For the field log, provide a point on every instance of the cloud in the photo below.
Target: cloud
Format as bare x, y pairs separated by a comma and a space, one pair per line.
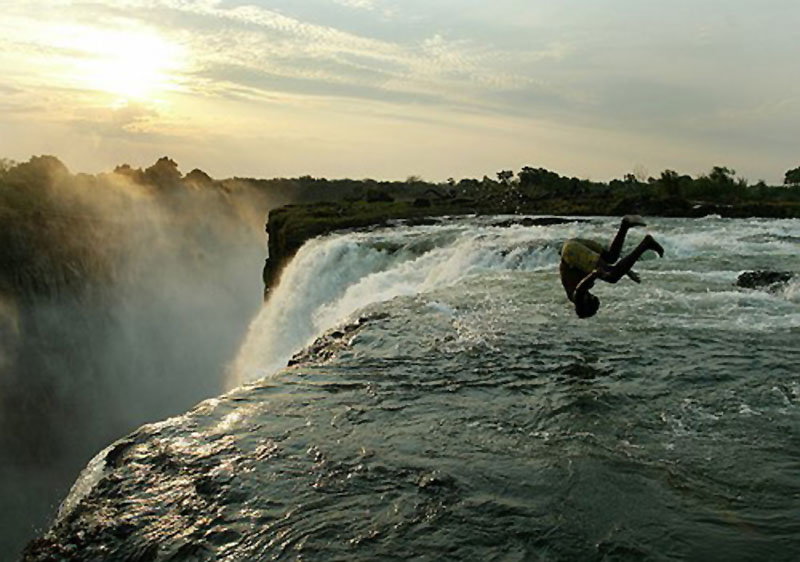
681, 72
360, 4
8, 90
15, 104
267, 42
249, 51
129, 121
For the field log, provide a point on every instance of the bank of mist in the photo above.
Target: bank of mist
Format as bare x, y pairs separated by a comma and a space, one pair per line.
122, 298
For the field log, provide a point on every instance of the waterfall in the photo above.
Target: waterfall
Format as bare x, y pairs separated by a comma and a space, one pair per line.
332, 277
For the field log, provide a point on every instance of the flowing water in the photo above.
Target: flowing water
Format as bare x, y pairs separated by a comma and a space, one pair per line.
450, 405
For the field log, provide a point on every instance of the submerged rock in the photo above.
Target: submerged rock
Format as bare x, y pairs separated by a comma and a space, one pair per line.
763, 279
329, 344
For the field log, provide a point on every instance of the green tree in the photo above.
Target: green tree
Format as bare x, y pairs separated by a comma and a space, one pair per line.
540, 182
164, 173
6, 164
135, 174
505, 176
792, 177
719, 185
198, 178
722, 176
670, 183
40, 171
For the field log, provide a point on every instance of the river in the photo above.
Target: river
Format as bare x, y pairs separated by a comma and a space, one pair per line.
450, 405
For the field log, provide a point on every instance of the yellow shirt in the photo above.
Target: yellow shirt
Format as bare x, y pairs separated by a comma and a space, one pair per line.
579, 257
583, 255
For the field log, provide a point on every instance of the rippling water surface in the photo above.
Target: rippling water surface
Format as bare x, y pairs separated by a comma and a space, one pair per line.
449, 405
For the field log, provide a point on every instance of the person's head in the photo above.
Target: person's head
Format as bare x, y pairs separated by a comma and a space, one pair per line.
587, 305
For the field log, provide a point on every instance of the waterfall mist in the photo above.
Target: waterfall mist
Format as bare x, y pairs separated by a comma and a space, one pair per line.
123, 298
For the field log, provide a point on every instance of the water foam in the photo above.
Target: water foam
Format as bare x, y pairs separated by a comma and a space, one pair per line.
791, 291
333, 277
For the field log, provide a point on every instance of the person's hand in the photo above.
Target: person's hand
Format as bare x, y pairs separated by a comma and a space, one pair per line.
634, 276
633, 220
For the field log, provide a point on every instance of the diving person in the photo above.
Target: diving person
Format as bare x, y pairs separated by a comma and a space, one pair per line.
584, 261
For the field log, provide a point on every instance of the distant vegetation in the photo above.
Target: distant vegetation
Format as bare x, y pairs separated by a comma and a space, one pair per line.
44, 186
667, 194
62, 231
48, 211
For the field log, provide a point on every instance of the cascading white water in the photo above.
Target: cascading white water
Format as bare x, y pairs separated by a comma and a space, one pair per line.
332, 277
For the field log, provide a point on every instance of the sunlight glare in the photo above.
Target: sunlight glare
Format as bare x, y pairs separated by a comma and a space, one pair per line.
137, 65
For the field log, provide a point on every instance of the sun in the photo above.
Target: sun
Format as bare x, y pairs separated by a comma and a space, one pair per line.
136, 65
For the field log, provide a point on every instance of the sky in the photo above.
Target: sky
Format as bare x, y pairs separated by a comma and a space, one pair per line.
393, 88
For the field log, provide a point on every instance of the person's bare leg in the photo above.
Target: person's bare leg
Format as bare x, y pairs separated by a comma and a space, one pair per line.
613, 273
615, 250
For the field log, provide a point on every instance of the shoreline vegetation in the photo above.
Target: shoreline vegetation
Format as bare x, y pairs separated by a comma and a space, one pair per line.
59, 228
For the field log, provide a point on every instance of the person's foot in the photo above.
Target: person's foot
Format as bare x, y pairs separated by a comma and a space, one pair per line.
655, 246
633, 220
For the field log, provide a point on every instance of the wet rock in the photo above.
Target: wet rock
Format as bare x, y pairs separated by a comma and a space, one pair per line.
435, 480
763, 279
329, 344
114, 457
222, 537
536, 221
209, 486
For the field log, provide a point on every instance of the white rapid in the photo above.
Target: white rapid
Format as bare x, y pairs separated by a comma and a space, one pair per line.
332, 277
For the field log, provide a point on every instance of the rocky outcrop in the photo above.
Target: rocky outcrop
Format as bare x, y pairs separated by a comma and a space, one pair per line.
334, 341
764, 279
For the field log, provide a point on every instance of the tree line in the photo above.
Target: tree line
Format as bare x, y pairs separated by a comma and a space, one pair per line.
22, 185
719, 185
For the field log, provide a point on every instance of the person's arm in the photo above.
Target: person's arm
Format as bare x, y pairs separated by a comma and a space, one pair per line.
585, 284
